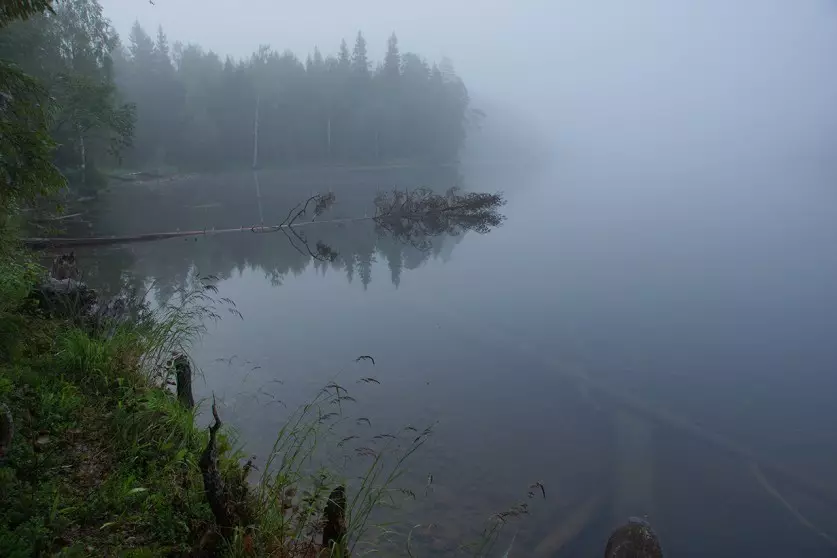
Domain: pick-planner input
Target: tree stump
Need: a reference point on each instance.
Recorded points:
(183, 378)
(334, 531)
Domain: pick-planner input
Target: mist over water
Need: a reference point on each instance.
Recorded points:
(669, 239)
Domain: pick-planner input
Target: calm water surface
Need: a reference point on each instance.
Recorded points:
(644, 341)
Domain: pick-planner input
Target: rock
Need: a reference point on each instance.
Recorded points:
(635, 539)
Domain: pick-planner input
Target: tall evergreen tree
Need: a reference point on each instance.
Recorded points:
(360, 60)
(343, 57)
(392, 59)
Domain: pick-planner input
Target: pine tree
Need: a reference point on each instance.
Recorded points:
(162, 45)
(360, 61)
(392, 60)
(141, 47)
(343, 58)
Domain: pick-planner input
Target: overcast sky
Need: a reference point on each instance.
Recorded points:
(684, 69)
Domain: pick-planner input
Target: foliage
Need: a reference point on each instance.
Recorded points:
(11, 10)
(26, 147)
(104, 459)
(97, 471)
(18, 272)
(67, 53)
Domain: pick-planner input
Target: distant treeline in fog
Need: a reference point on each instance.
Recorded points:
(158, 104)
(195, 108)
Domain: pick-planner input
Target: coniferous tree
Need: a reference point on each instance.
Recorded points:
(360, 60)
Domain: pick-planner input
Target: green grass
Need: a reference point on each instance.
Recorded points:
(100, 461)
(105, 460)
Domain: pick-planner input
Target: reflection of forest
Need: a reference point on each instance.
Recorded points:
(240, 200)
(168, 263)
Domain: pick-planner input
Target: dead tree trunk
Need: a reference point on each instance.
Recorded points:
(183, 378)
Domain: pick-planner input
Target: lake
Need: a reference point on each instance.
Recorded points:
(645, 341)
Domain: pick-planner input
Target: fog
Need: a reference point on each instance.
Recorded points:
(649, 331)
(696, 80)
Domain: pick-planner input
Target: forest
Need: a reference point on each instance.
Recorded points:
(145, 103)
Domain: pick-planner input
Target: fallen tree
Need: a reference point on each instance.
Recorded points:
(409, 215)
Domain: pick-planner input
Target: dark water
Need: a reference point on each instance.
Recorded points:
(643, 341)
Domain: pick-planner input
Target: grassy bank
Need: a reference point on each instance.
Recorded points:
(103, 460)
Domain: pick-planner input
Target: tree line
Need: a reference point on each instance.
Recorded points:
(143, 103)
(196, 109)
